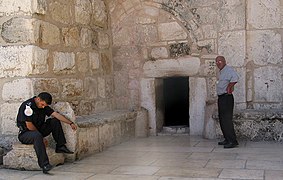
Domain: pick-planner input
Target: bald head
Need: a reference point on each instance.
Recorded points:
(220, 62)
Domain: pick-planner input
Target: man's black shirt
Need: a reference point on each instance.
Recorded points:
(38, 116)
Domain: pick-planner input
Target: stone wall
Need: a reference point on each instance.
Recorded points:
(58, 46)
(158, 32)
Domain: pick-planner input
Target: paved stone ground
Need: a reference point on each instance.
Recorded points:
(170, 158)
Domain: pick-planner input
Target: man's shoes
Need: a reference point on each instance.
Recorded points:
(231, 145)
(46, 168)
(63, 149)
(223, 142)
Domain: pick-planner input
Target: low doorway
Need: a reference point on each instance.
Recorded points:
(176, 101)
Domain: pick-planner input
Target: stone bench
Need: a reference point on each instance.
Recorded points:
(23, 157)
(256, 125)
(99, 131)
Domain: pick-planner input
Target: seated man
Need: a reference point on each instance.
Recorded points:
(34, 126)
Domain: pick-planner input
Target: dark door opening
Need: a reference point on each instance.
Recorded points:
(176, 101)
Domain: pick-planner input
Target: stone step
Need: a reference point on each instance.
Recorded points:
(174, 130)
(23, 157)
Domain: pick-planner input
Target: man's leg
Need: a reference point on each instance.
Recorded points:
(36, 138)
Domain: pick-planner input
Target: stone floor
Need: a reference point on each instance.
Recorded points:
(170, 158)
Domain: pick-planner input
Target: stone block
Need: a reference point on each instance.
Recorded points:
(264, 14)
(197, 98)
(91, 86)
(23, 7)
(264, 47)
(82, 62)
(61, 12)
(16, 61)
(72, 88)
(101, 87)
(86, 37)
(20, 30)
(141, 126)
(8, 115)
(10, 91)
(50, 85)
(103, 40)
(268, 84)
(99, 13)
(159, 52)
(83, 11)
(64, 63)
(232, 15)
(171, 31)
(183, 66)
(66, 110)
(88, 142)
(50, 34)
(71, 36)
(94, 60)
(234, 53)
(23, 157)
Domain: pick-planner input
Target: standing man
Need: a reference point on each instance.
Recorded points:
(33, 127)
(225, 86)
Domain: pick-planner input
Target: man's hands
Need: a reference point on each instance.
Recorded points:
(73, 126)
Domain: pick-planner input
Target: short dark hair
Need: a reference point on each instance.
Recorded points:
(45, 96)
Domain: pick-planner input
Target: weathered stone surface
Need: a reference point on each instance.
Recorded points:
(66, 110)
(91, 86)
(88, 142)
(24, 157)
(268, 84)
(99, 15)
(264, 14)
(83, 11)
(72, 88)
(103, 40)
(86, 37)
(64, 63)
(71, 36)
(179, 49)
(19, 30)
(159, 52)
(101, 87)
(26, 7)
(39, 60)
(231, 14)
(240, 87)
(209, 130)
(183, 66)
(50, 34)
(106, 64)
(234, 53)
(61, 12)
(50, 85)
(257, 125)
(11, 91)
(8, 115)
(16, 61)
(171, 31)
(94, 60)
(82, 62)
(142, 129)
(264, 47)
(198, 93)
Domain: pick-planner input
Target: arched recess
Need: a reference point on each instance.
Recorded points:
(145, 33)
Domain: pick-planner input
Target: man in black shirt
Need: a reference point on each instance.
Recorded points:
(34, 126)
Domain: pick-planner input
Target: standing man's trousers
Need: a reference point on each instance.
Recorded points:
(225, 111)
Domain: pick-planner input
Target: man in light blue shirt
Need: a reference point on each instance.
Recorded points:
(225, 87)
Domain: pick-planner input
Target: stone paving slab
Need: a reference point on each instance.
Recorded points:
(166, 158)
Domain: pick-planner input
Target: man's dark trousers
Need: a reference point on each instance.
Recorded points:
(225, 111)
(51, 125)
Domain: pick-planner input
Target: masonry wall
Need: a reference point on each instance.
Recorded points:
(248, 33)
(57, 46)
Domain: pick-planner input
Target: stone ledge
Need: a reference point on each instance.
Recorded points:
(105, 117)
(24, 157)
(99, 131)
(256, 125)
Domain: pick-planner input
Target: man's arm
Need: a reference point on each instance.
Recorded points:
(30, 126)
(230, 87)
(64, 119)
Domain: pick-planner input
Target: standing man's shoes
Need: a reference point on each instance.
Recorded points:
(231, 145)
(46, 168)
(63, 149)
(223, 142)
